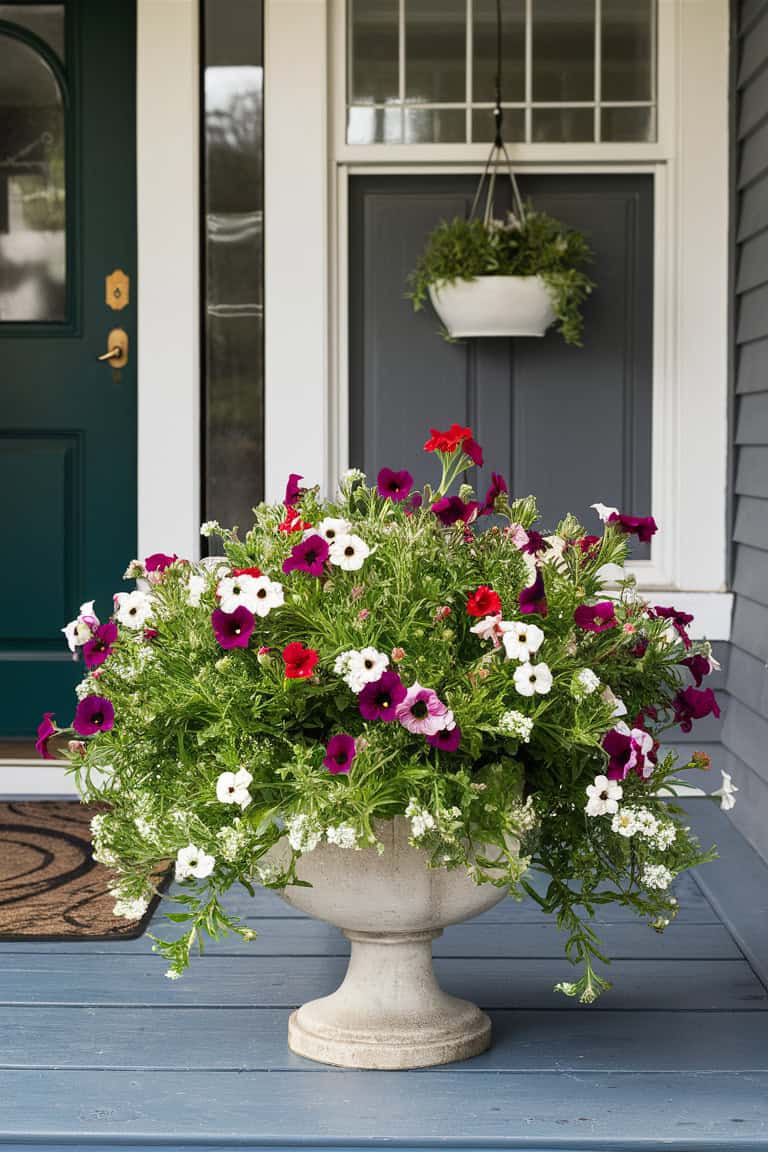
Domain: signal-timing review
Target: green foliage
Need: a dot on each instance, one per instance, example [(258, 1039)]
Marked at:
[(537, 246)]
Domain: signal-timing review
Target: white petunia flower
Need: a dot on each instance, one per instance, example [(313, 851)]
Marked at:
[(489, 628), (232, 591), (585, 682), (618, 705), (131, 909), (268, 595), (530, 678), (232, 788), (520, 640), (603, 797), (349, 552), (554, 554), (604, 511), (343, 836), (330, 529), (656, 876), (195, 587), (133, 609), (80, 630), (514, 723), (360, 668), (192, 861), (726, 792), (611, 573), (349, 479)]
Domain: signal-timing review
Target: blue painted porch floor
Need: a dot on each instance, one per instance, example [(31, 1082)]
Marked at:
[(98, 1049)]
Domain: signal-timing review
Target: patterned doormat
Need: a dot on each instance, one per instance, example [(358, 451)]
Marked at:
[(51, 888)]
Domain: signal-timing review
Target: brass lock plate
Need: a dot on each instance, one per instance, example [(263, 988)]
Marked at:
[(118, 290), (117, 348)]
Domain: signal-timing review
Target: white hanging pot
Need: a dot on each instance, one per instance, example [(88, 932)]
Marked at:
[(494, 306)]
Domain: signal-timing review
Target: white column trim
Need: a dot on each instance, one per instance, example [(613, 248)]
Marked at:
[(168, 230)]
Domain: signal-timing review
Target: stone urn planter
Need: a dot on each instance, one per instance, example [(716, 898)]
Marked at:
[(389, 1012), (494, 306)]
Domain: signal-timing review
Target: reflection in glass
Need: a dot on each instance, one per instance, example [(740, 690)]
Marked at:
[(233, 235), (628, 124), (45, 20), (32, 187), (627, 29), (484, 51), (367, 125), (513, 128), (435, 50), (563, 50), (561, 125), (373, 31), (435, 125)]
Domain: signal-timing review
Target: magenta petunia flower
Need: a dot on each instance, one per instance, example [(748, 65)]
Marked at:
[(447, 739), (46, 729), (339, 753), (679, 620), (473, 450), (533, 600), (96, 650), (644, 527), (629, 750), (699, 666), (498, 487), (394, 485), (159, 561), (379, 699), (233, 629), (308, 556), (694, 704), (94, 714), (423, 712), (293, 491), (596, 617), (451, 509)]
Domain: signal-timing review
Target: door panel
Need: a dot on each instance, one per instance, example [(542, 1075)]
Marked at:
[(572, 425), (68, 421)]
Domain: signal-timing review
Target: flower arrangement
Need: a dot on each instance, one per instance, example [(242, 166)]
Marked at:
[(534, 244), (392, 652)]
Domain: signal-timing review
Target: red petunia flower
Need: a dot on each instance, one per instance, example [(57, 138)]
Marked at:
[(484, 602), (293, 522), (254, 571), (299, 661)]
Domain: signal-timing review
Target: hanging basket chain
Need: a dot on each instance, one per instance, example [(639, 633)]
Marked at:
[(498, 157)]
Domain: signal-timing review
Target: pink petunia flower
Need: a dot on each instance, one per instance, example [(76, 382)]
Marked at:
[(423, 712)]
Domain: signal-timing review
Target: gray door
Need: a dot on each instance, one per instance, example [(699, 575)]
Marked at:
[(572, 425)]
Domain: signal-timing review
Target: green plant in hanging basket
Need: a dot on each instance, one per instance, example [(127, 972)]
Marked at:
[(529, 243)]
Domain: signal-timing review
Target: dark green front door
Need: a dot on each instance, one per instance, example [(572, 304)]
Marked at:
[(67, 420)]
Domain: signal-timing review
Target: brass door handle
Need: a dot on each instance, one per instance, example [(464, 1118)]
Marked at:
[(117, 348)]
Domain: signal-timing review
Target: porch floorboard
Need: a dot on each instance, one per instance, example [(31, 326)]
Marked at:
[(97, 1049)]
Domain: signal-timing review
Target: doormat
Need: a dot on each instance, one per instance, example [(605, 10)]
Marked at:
[(51, 888)]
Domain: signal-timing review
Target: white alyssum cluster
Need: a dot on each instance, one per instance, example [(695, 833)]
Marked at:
[(631, 821), (421, 819), (232, 840), (524, 817), (342, 835), (304, 834), (192, 861), (358, 668), (210, 528), (232, 788), (656, 876), (131, 909), (514, 723), (86, 687), (603, 797), (349, 479), (585, 682)]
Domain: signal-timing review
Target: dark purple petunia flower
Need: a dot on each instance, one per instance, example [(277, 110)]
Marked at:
[(45, 730), (533, 600), (536, 543), (308, 556), (694, 704), (644, 527), (339, 753), (472, 449), (293, 491), (498, 487), (379, 700), (233, 629), (96, 650), (93, 714), (448, 739), (680, 620), (451, 510), (699, 666), (159, 561), (394, 485), (596, 617)]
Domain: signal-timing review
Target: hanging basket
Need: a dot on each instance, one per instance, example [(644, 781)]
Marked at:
[(494, 306)]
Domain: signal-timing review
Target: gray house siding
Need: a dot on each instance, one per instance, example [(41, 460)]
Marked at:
[(745, 730)]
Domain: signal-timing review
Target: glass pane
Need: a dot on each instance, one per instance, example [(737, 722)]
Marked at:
[(513, 128), (45, 20), (234, 246), (373, 46), (435, 126), (562, 125), (630, 124), (484, 51), (435, 50), (563, 50), (32, 187), (627, 29), (368, 125)]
